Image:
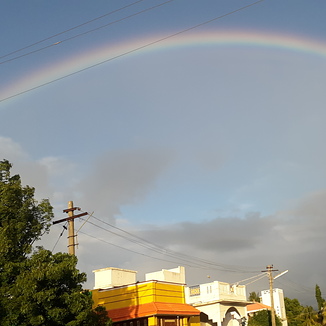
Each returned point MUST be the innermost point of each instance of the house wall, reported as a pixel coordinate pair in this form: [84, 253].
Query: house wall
[223, 303]
[193, 321]
[279, 306]
[175, 275]
[110, 277]
[215, 291]
[139, 293]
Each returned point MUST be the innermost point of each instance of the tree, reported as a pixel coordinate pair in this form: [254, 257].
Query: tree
[320, 300]
[293, 310]
[254, 296]
[37, 288]
[308, 317]
[22, 222]
[100, 317]
[322, 315]
[48, 291]
[263, 318]
[22, 218]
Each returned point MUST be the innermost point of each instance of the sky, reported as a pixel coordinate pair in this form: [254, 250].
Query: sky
[192, 132]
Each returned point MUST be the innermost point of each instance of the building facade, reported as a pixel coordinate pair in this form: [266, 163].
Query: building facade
[158, 301]
[220, 303]
[279, 306]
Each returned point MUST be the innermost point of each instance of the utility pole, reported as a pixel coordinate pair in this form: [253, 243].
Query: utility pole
[71, 225]
[269, 271]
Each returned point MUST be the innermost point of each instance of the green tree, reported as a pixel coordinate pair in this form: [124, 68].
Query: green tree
[293, 310]
[322, 314]
[100, 317]
[38, 288]
[22, 222]
[308, 317]
[254, 296]
[263, 318]
[320, 300]
[22, 218]
[48, 291]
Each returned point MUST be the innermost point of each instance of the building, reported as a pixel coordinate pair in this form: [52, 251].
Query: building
[254, 307]
[158, 301]
[220, 303]
[279, 306]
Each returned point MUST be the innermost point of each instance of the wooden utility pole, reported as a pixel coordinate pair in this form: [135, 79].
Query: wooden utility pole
[71, 225]
[270, 270]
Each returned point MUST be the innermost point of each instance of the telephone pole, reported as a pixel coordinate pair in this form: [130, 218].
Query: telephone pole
[71, 225]
[269, 270]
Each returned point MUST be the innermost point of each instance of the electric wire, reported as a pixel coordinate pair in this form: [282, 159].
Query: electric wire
[299, 288]
[250, 278]
[259, 278]
[60, 235]
[132, 51]
[85, 221]
[154, 247]
[171, 252]
[71, 29]
[130, 250]
[189, 260]
[194, 264]
[87, 32]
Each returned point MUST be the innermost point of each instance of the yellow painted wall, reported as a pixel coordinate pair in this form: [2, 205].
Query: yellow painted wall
[152, 321]
[194, 321]
[139, 293]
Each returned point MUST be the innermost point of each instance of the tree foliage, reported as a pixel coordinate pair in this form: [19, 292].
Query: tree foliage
[254, 296]
[46, 286]
[38, 288]
[322, 315]
[298, 315]
[22, 218]
[320, 300]
[263, 318]
[308, 317]
[293, 310]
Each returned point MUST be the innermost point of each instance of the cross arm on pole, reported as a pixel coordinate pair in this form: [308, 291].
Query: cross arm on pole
[69, 218]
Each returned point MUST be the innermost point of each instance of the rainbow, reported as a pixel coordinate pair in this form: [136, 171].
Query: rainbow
[106, 53]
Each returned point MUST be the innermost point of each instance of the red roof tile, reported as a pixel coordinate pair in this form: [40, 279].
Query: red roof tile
[256, 306]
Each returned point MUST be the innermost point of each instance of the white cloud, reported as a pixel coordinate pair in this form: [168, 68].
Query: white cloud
[50, 176]
[10, 150]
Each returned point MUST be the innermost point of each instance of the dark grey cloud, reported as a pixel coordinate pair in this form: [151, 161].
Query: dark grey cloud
[122, 177]
[293, 239]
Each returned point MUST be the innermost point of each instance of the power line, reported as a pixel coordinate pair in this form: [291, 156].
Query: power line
[147, 246]
[257, 279]
[130, 250]
[189, 260]
[84, 33]
[297, 287]
[70, 29]
[171, 252]
[60, 235]
[133, 50]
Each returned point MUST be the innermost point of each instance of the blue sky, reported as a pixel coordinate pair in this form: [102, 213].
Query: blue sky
[215, 150]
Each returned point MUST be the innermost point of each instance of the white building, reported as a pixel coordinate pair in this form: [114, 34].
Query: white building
[175, 275]
[279, 305]
[221, 304]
